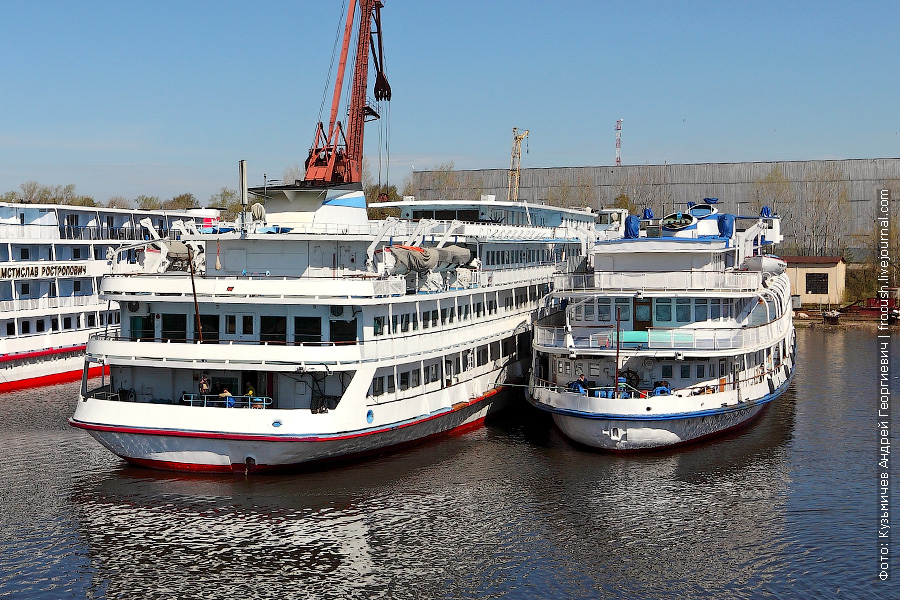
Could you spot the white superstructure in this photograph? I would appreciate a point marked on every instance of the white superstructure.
(52, 258)
(322, 334)
(678, 336)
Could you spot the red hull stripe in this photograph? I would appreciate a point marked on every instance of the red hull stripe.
(33, 382)
(275, 438)
(39, 353)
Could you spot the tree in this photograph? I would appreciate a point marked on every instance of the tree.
(821, 224)
(30, 191)
(9, 197)
(623, 201)
(445, 181)
(381, 193)
(293, 173)
(181, 202)
(228, 202)
(118, 202)
(148, 202)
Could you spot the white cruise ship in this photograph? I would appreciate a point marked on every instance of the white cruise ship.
(320, 334)
(51, 260)
(675, 337)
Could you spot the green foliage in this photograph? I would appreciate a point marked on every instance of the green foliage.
(623, 201)
(181, 202)
(381, 193)
(228, 202)
(9, 197)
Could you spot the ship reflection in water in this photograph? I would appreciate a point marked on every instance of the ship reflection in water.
(512, 509)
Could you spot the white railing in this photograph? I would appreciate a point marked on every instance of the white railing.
(48, 303)
(669, 281)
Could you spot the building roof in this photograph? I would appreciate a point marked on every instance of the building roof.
(812, 260)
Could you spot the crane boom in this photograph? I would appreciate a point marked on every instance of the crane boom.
(336, 155)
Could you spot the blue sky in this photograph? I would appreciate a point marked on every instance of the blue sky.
(162, 98)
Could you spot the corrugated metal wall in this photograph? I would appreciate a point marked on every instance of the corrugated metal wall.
(669, 186)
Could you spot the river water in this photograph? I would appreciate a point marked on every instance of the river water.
(787, 508)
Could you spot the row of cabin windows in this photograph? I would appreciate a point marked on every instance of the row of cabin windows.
(406, 322)
(271, 328)
(44, 324)
(565, 367)
(25, 290)
(684, 310)
(451, 365)
(27, 253)
(509, 257)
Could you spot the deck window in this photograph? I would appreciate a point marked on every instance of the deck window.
(343, 331)
(273, 329)
(404, 380)
(174, 327)
(715, 309)
(209, 324)
(230, 324)
(404, 322)
(307, 329)
(683, 310)
(667, 371)
(701, 371)
(685, 371)
(482, 355)
(379, 325)
(247, 325)
(604, 310)
(700, 310)
(663, 310)
(623, 306)
(141, 327)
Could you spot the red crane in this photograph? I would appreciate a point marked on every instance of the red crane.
(336, 155)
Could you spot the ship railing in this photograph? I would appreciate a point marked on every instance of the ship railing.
(660, 338)
(227, 401)
(47, 303)
(754, 376)
(742, 281)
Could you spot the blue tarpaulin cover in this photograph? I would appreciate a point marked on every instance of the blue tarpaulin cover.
(726, 225)
(648, 213)
(765, 212)
(632, 227)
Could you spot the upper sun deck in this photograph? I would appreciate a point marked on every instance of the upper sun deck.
(83, 223)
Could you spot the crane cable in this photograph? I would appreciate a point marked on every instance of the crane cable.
(337, 36)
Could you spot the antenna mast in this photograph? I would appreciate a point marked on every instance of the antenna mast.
(512, 192)
(618, 142)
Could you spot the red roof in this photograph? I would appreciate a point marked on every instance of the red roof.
(812, 260)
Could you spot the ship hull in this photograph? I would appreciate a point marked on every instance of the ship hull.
(224, 452)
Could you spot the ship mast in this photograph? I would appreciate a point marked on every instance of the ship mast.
(336, 155)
